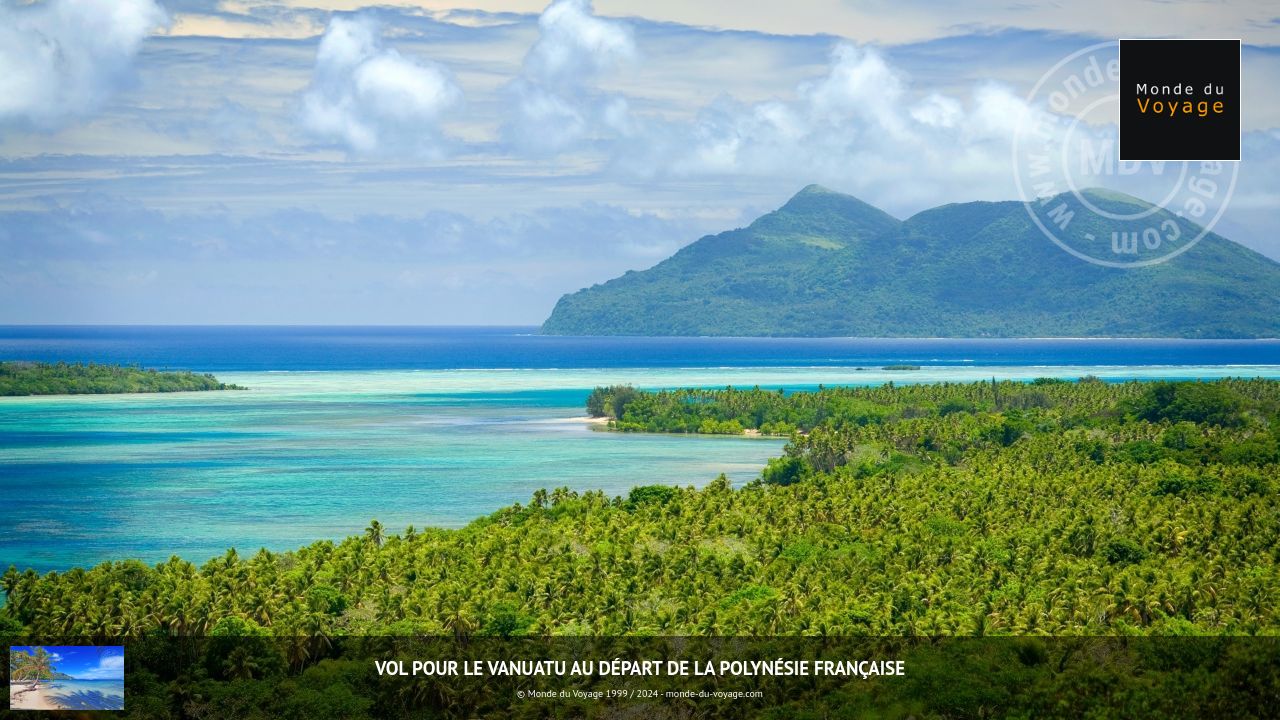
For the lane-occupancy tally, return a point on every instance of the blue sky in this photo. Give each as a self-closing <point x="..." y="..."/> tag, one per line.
<point x="83" y="662"/>
<point x="430" y="162"/>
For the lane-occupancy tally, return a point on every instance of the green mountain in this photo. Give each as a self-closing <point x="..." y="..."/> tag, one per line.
<point x="827" y="264"/>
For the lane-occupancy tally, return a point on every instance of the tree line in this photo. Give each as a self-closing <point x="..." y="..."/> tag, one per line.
<point x="62" y="378"/>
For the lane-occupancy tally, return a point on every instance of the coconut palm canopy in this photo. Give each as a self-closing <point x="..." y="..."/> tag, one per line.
<point x="31" y="664"/>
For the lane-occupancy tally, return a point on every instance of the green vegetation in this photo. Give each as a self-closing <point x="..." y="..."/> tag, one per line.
<point x="610" y="401"/>
<point x="826" y="264"/>
<point x="33" y="666"/>
<point x="34" y="378"/>
<point x="974" y="509"/>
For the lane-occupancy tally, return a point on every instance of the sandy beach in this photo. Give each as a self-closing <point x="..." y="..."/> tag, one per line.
<point x="584" y="419"/>
<point x="20" y="698"/>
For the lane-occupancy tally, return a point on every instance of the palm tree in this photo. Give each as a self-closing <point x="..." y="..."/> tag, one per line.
<point x="33" y="665"/>
<point x="374" y="533"/>
<point x="18" y="665"/>
<point x="241" y="664"/>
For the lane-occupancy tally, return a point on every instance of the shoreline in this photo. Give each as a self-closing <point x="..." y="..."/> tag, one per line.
<point x="582" y="420"/>
<point x="602" y="423"/>
<point x="21" y="698"/>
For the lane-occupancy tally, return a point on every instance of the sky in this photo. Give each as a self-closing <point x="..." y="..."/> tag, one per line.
<point x="83" y="662"/>
<point x="425" y="162"/>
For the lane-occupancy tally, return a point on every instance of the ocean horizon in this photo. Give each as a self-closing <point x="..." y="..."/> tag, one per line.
<point x="317" y="347"/>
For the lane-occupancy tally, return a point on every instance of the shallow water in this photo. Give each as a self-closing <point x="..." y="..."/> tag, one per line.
<point x="85" y="694"/>
<point x="298" y="459"/>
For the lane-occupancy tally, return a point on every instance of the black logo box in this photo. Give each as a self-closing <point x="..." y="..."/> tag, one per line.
<point x="1187" y="64"/>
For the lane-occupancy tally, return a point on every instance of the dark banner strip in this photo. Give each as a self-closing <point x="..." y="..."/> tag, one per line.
<point x="676" y="677"/>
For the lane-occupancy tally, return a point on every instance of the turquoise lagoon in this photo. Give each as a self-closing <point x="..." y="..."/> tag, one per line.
<point x="304" y="456"/>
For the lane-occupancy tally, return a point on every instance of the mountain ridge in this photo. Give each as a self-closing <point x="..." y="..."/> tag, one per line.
<point x="826" y="264"/>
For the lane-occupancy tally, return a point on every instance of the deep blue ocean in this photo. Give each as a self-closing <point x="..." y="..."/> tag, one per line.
<point x="423" y="426"/>
<point x="216" y="348"/>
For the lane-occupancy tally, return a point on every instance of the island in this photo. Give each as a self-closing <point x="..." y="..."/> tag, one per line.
<point x="829" y="265"/>
<point x="39" y="378"/>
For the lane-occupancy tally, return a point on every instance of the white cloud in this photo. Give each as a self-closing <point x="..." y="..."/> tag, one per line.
<point x="373" y="100"/>
<point x="60" y="59"/>
<point x="110" y="667"/>
<point x="859" y="86"/>
<point x="574" y="44"/>
<point x="937" y="111"/>
<point x="860" y="126"/>
<point x="556" y="104"/>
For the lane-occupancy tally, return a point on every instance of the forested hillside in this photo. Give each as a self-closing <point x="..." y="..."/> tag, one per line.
<point x="829" y="265"/>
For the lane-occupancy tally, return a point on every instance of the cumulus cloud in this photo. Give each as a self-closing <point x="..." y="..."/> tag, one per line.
<point x="373" y="100"/>
<point x="61" y="59"/>
<point x="110" y="667"/>
<point x="573" y="44"/>
<point x="860" y="126"/>
<point x="555" y="102"/>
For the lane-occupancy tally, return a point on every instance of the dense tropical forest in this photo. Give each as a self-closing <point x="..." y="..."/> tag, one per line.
<point x="37" y="378"/>
<point x="988" y="509"/>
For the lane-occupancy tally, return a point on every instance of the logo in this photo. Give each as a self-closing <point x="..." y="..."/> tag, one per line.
<point x="1083" y="197"/>
<point x="1180" y="99"/>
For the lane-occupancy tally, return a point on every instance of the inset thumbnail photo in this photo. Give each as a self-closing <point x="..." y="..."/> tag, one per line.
<point x="66" y="677"/>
